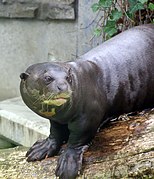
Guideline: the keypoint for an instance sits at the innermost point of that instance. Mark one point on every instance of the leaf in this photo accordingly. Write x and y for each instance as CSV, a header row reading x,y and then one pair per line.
x,y
110,23
97,32
111,31
143,1
115,15
132,2
136,7
110,28
95,7
105,3
151,6
129,15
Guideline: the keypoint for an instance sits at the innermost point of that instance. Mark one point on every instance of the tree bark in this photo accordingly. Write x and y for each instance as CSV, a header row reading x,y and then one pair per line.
x,y
122,149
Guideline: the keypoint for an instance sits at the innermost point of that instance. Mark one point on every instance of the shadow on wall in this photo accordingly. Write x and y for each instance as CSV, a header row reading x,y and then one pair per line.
x,y
5,143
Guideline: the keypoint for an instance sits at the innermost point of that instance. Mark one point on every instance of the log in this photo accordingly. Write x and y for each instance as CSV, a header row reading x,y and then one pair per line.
x,y
122,149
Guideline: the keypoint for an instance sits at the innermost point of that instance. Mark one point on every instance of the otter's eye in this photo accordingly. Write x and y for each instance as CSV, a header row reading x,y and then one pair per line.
x,y
48,79
69,79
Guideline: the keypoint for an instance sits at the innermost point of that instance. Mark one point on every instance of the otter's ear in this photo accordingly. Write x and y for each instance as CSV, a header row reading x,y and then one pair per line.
x,y
69,71
24,76
69,77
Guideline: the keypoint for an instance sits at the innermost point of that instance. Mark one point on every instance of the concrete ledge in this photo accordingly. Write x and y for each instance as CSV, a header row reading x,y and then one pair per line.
x,y
19,124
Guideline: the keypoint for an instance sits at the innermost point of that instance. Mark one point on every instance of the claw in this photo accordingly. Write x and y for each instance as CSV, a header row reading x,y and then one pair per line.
x,y
70,163
42,149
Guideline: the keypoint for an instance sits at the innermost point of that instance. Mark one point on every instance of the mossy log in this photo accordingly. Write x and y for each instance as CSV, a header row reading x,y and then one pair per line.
x,y
122,149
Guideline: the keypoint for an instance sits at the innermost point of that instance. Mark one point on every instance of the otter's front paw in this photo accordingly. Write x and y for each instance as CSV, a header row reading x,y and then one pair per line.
x,y
70,163
42,149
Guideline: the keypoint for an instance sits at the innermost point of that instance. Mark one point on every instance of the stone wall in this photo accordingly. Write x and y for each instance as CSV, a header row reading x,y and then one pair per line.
x,y
31,31
38,9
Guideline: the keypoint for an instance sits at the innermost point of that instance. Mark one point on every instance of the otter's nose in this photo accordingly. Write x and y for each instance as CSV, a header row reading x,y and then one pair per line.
x,y
62,87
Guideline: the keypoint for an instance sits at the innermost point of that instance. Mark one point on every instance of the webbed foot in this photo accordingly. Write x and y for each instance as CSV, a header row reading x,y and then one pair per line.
x,y
70,163
42,149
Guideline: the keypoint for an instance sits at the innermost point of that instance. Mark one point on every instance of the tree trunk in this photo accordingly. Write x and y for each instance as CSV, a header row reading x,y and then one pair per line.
x,y
123,149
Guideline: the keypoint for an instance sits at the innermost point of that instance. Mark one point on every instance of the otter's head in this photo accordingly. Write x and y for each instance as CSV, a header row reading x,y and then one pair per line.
x,y
46,88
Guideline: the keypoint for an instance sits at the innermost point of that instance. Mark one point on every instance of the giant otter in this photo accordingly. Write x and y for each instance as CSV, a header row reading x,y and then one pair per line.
x,y
77,97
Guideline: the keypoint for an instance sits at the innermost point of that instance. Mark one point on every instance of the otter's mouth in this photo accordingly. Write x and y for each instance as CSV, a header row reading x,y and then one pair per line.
x,y
48,104
57,100
50,99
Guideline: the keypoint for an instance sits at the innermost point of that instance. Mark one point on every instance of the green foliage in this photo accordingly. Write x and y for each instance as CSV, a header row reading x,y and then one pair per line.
x,y
115,15
151,7
143,1
101,4
135,7
121,15
110,28
97,32
95,7
105,3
